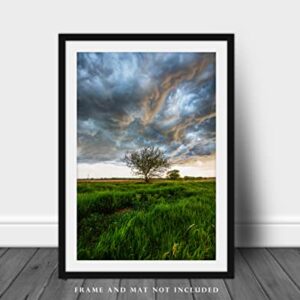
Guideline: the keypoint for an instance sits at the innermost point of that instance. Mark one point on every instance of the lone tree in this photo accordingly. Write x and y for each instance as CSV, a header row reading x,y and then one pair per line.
x,y
149,162
173,174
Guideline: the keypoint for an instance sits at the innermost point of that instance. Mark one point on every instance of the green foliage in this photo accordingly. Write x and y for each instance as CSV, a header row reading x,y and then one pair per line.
x,y
129,220
173,175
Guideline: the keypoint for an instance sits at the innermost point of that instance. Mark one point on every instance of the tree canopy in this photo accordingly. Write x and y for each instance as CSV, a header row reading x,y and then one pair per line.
x,y
148,162
173,174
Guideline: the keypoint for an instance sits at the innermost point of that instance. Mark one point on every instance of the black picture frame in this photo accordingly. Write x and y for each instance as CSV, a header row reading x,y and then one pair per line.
x,y
62,39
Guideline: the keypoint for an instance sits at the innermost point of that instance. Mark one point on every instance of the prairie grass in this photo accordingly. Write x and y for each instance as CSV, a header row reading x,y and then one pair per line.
x,y
166,220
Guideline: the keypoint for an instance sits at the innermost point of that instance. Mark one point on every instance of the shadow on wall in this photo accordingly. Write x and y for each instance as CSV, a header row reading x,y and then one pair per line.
x,y
246,179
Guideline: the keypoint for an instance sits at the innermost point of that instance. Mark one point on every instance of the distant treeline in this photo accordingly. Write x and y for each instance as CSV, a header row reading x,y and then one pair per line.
x,y
128,178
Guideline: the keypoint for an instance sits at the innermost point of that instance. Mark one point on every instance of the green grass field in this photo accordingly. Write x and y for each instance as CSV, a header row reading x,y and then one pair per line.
x,y
162,220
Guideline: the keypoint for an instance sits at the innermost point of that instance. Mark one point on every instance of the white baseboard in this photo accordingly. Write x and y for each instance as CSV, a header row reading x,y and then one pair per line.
x,y
29,235
267,235
246,235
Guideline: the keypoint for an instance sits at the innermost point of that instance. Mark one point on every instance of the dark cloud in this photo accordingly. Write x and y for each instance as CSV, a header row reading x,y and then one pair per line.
x,y
129,100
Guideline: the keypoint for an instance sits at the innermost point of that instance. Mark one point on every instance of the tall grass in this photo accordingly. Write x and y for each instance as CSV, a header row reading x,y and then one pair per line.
x,y
163,220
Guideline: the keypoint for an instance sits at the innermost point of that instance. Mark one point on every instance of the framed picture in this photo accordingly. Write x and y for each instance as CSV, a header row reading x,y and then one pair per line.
x,y
146,155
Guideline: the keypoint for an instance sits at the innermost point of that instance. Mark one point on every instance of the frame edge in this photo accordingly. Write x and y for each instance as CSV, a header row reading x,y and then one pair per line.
x,y
62,39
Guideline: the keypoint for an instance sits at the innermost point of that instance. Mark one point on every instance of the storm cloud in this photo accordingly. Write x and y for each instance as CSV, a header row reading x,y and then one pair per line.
x,y
130,100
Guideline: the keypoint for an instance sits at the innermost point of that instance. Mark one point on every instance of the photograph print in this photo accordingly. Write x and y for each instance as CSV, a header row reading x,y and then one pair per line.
x,y
146,145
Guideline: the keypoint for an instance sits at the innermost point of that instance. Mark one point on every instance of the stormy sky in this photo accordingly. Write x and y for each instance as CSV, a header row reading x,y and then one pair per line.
x,y
130,100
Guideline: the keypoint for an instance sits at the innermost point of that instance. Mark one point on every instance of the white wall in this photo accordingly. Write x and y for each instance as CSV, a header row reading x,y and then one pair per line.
x,y
267,106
